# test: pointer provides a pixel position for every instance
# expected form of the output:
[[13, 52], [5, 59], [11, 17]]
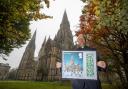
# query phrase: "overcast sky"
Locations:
[[49, 27]]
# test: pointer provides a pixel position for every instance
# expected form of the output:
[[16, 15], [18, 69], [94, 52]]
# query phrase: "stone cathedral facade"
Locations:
[[45, 67]]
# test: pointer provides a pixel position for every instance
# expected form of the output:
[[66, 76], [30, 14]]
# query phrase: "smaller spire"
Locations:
[[44, 42], [42, 48], [31, 43], [48, 40], [34, 36]]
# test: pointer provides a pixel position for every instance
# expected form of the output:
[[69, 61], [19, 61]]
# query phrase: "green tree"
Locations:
[[110, 31], [15, 16]]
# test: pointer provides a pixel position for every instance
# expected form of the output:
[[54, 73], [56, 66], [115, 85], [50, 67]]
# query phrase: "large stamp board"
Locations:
[[79, 65]]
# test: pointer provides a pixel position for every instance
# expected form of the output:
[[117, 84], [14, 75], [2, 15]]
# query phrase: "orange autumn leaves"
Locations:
[[88, 22]]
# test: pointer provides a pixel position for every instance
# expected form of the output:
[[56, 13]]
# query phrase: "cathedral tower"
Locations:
[[51, 50], [27, 65], [64, 37]]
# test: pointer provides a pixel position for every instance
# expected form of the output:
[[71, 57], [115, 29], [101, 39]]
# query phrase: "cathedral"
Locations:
[[44, 69]]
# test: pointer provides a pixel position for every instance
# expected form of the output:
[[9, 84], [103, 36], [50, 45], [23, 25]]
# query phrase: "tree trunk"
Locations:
[[125, 68], [124, 83], [122, 69], [126, 77], [125, 65]]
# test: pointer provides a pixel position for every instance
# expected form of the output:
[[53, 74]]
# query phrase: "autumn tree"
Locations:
[[15, 16], [114, 20], [105, 23]]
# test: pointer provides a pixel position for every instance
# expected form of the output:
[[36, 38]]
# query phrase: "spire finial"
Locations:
[[65, 17]]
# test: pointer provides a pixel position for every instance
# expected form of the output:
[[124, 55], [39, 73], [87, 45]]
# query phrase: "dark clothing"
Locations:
[[84, 83]]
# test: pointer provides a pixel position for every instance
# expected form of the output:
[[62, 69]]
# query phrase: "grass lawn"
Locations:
[[39, 85]]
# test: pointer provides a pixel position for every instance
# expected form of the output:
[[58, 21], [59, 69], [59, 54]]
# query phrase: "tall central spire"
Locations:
[[65, 19], [64, 36]]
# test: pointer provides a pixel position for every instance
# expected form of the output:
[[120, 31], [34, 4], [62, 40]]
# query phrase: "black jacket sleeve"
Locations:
[[99, 68]]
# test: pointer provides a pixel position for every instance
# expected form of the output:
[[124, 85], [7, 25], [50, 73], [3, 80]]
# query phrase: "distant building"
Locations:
[[4, 70], [51, 51], [44, 67]]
